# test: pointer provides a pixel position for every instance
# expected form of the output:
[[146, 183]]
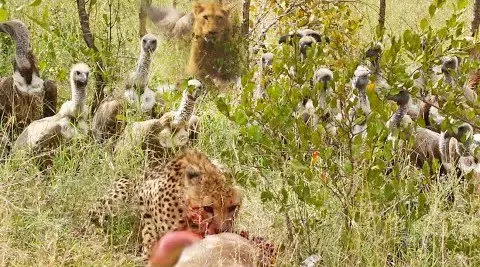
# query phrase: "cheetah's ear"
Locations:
[[192, 174], [238, 191], [198, 8]]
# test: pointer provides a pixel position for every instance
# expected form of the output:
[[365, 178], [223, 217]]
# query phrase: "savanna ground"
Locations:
[[44, 217]]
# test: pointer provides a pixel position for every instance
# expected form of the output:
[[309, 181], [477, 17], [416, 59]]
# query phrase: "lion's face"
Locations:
[[211, 20]]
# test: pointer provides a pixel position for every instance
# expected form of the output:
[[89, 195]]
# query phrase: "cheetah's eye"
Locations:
[[205, 17], [208, 209]]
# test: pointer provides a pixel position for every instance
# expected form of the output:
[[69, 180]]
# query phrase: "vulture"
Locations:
[[173, 130], [429, 145], [44, 135], [24, 95], [374, 54], [136, 90], [105, 122], [306, 38], [288, 38], [171, 22], [359, 82], [306, 109], [261, 76]]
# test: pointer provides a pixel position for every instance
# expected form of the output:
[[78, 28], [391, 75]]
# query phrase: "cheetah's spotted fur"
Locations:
[[187, 193]]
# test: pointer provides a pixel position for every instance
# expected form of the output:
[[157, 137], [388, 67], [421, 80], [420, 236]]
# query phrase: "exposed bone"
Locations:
[[225, 249]]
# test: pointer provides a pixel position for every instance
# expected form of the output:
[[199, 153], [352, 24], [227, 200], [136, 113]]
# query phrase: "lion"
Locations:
[[212, 54]]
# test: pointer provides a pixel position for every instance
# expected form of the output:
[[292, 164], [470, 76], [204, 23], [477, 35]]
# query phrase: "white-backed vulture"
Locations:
[[24, 95], [137, 92], [44, 135], [374, 54], [288, 38], [105, 122], [171, 22], [261, 77], [429, 145], [360, 81], [306, 38], [172, 131]]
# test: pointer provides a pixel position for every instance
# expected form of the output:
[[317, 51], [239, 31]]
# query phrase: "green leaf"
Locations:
[[266, 196], [105, 18], [462, 4], [3, 15], [441, 3], [254, 132], [222, 106], [424, 24], [432, 9], [348, 167], [426, 169], [240, 117], [297, 165], [35, 3]]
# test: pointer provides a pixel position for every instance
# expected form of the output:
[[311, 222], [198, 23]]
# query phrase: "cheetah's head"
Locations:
[[212, 203]]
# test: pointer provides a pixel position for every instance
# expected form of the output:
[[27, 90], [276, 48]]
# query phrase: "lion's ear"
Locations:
[[198, 8], [226, 10]]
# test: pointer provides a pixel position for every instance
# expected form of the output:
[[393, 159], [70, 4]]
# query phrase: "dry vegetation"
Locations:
[[43, 218]]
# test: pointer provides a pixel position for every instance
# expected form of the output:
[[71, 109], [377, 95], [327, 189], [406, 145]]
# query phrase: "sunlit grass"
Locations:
[[44, 220]]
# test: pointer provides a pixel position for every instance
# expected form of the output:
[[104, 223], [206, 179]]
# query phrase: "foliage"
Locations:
[[337, 196], [351, 171]]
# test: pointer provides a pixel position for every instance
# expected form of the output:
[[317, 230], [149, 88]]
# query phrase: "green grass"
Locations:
[[402, 15], [44, 221]]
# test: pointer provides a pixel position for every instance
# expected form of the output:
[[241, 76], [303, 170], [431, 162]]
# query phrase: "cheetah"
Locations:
[[190, 192]]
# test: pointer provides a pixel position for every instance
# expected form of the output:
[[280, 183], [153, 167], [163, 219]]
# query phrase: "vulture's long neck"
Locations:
[[185, 110], [399, 115], [79, 96], [26, 75], [363, 100], [143, 68]]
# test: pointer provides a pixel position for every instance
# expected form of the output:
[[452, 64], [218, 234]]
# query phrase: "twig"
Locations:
[[99, 66]]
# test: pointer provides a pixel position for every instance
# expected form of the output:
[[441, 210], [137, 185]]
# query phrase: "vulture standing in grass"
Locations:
[[173, 130], [374, 54], [171, 22], [105, 122], [306, 109], [262, 76], [44, 135], [137, 92], [359, 82], [429, 145], [288, 38], [305, 39], [330, 114], [24, 95]]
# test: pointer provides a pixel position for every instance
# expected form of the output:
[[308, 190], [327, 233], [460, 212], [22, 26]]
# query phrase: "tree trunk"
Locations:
[[89, 40], [142, 16], [246, 17], [476, 18], [381, 17]]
